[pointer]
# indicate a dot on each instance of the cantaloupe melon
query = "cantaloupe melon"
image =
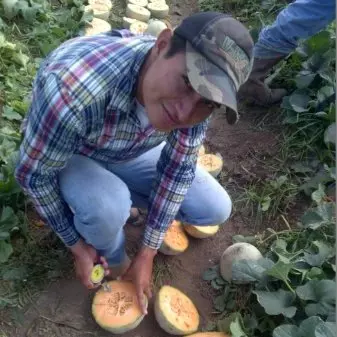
(201, 232)
(118, 310)
(175, 312)
(175, 241)
(158, 9)
(235, 252)
(208, 334)
(212, 163)
(97, 26)
(100, 11)
(137, 12)
(142, 3)
(155, 27)
(127, 22)
(138, 27)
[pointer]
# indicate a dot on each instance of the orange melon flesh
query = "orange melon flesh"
(117, 311)
(175, 241)
(211, 163)
(175, 312)
(201, 232)
(208, 334)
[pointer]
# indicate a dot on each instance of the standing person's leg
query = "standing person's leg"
(206, 202)
(101, 204)
(299, 20)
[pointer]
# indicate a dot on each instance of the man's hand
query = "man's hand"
(140, 272)
(85, 257)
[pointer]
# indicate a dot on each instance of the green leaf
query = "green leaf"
(236, 329)
(308, 326)
(287, 330)
(279, 247)
(330, 134)
(265, 203)
(277, 302)
(319, 194)
(10, 114)
(324, 253)
(280, 271)
(299, 102)
(325, 93)
(223, 325)
(6, 251)
(251, 270)
(326, 329)
(304, 78)
(315, 274)
(322, 292)
(211, 273)
(21, 59)
(319, 216)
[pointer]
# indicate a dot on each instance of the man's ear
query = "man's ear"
(163, 41)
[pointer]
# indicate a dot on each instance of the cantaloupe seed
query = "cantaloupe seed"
(117, 310)
(175, 312)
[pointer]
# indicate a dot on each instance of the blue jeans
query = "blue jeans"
(299, 20)
(101, 195)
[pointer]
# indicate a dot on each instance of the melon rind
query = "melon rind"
(117, 329)
(159, 10)
(201, 232)
(208, 334)
(97, 26)
(166, 248)
(161, 315)
(137, 12)
(127, 22)
(216, 161)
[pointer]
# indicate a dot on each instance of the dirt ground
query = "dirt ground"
(63, 309)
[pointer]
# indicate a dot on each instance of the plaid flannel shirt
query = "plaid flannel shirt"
(82, 103)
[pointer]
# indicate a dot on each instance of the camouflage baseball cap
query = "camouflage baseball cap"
(219, 57)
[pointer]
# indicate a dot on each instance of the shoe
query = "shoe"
(255, 90)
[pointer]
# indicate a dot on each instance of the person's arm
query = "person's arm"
(175, 174)
(52, 133)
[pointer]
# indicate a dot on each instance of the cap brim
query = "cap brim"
(209, 81)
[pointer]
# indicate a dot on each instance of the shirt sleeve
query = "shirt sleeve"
(175, 174)
(52, 133)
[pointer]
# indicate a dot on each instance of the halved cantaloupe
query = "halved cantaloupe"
(201, 232)
(212, 163)
(175, 312)
(209, 334)
(118, 310)
(175, 241)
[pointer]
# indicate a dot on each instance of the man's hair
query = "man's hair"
(177, 45)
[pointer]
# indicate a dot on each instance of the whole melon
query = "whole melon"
(155, 27)
(237, 251)
(175, 241)
(175, 312)
(118, 310)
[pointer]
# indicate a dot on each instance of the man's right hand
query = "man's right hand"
(85, 258)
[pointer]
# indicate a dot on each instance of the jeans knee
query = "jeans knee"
(221, 209)
(104, 215)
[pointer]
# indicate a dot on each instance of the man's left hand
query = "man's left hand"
(140, 273)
